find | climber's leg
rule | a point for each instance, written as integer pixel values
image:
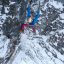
(23, 26)
(33, 29)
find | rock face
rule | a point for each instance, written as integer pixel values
(46, 47)
(10, 28)
(23, 7)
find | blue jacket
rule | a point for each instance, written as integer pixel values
(28, 12)
(35, 20)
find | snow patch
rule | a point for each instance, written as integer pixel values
(6, 9)
(3, 46)
(61, 31)
(12, 3)
(56, 4)
(62, 16)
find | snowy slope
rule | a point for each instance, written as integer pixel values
(36, 50)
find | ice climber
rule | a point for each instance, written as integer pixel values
(31, 21)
